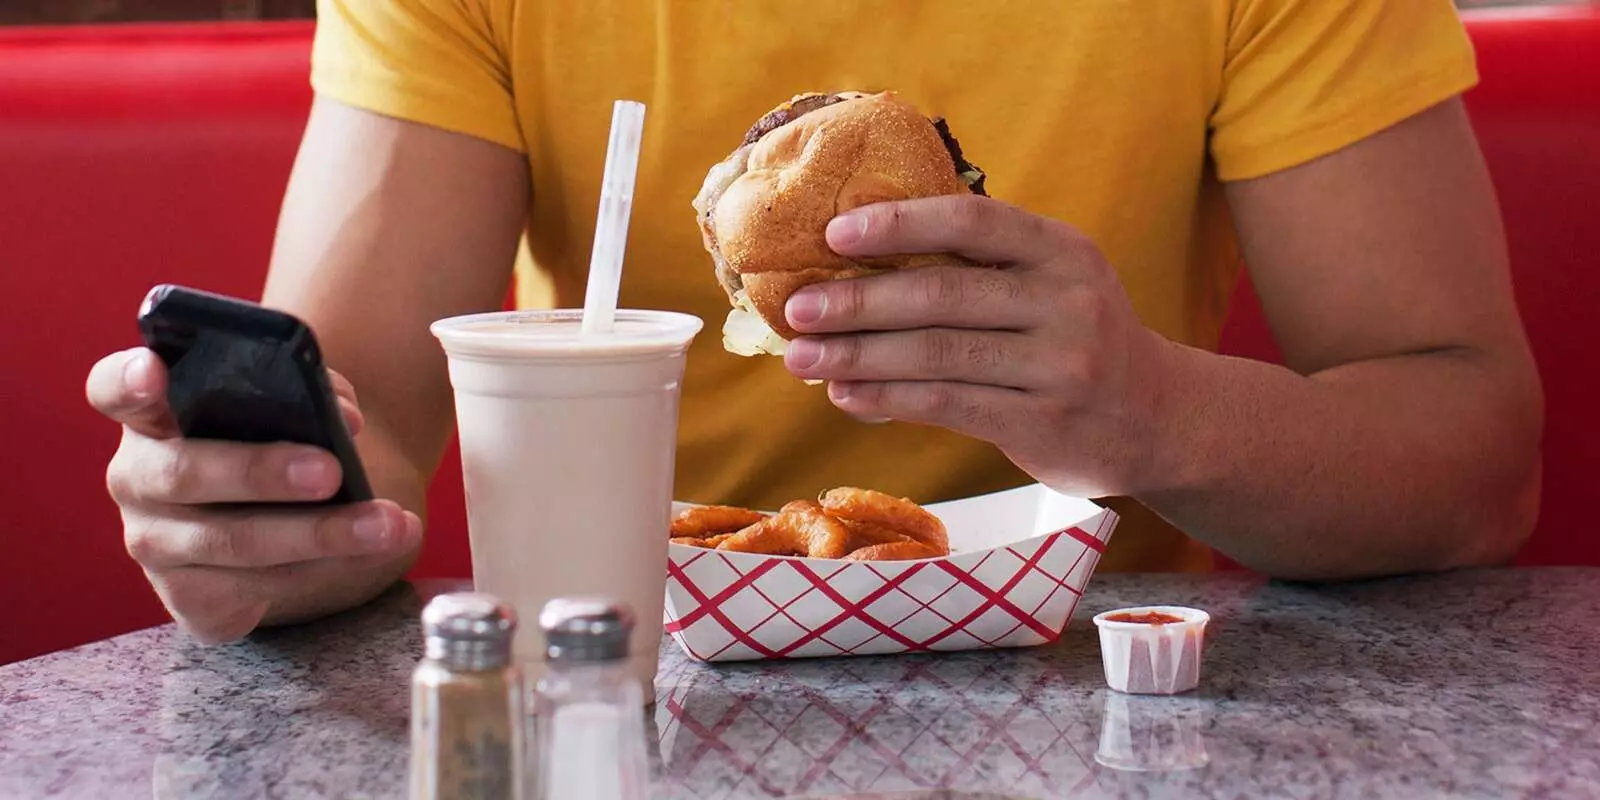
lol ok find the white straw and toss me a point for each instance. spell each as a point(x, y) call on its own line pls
point(611, 226)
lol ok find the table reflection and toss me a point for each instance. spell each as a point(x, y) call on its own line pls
point(908, 727)
point(1152, 734)
point(1037, 722)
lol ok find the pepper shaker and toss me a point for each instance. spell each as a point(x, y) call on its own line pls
point(588, 710)
point(467, 703)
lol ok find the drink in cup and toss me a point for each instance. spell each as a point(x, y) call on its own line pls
point(568, 441)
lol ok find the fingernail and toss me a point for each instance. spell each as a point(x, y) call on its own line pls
point(847, 229)
point(839, 392)
point(137, 375)
point(371, 530)
point(803, 354)
point(805, 308)
point(311, 474)
point(874, 420)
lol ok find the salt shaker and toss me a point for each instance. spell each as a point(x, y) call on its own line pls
point(467, 703)
point(589, 738)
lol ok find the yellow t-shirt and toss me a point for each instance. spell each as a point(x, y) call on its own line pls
point(1117, 116)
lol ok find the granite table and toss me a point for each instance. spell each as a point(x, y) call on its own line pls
point(1472, 684)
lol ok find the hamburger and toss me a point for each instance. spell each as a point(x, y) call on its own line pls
point(764, 209)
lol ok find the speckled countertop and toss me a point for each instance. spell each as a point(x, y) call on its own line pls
point(1476, 684)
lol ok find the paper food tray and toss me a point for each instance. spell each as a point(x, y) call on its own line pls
point(1019, 562)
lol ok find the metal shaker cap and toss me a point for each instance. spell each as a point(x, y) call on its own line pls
point(585, 629)
point(469, 615)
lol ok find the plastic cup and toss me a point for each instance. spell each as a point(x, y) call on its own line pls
point(568, 443)
point(1147, 658)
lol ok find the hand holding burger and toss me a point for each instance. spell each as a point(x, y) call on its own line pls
point(878, 267)
point(763, 209)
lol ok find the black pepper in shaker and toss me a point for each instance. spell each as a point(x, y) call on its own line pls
point(466, 702)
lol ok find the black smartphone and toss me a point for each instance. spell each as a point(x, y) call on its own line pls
point(245, 373)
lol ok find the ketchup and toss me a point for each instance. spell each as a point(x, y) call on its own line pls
point(1145, 618)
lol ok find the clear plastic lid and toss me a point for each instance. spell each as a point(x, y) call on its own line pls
point(545, 333)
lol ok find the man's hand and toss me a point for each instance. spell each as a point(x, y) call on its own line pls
point(386, 226)
point(220, 568)
point(1401, 433)
point(1042, 355)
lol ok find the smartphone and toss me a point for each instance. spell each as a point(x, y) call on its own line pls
point(245, 373)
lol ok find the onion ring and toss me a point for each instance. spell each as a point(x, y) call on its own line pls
point(703, 522)
point(896, 513)
point(903, 550)
point(844, 523)
point(709, 543)
point(802, 528)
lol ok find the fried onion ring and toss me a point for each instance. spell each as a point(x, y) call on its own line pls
point(903, 550)
point(802, 528)
point(870, 533)
point(895, 513)
point(703, 522)
point(708, 543)
point(844, 523)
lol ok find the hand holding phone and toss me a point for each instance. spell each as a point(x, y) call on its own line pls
point(224, 492)
point(238, 371)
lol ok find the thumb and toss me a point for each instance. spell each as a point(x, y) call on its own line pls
point(130, 387)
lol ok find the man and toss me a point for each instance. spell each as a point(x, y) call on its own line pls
point(1140, 150)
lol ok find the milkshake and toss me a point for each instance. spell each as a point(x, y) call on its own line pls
point(568, 444)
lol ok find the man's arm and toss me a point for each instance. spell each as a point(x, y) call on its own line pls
point(387, 226)
point(1405, 433)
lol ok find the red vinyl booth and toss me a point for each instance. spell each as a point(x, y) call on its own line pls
point(134, 155)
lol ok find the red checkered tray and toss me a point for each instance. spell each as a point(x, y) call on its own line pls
point(1020, 559)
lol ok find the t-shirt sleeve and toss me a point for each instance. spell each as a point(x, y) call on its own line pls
point(1303, 78)
point(434, 62)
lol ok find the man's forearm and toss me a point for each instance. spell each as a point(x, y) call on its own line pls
point(1417, 462)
